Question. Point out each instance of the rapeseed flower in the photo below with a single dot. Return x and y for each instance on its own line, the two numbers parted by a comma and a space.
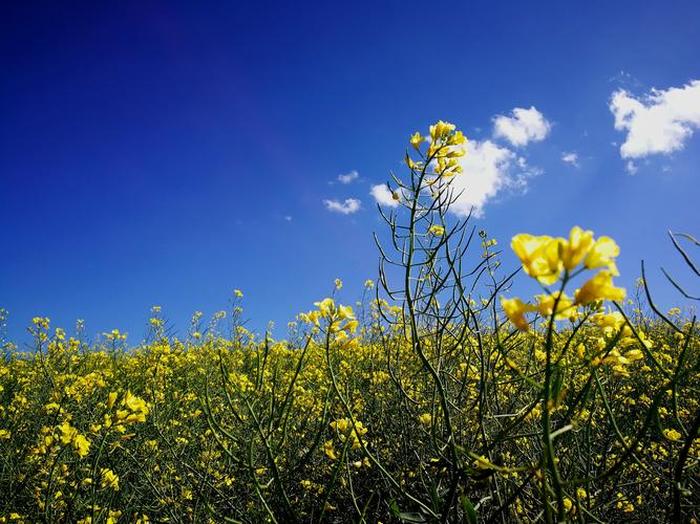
436, 230
545, 305
416, 140
602, 254
577, 247
515, 310
109, 479
600, 287
539, 256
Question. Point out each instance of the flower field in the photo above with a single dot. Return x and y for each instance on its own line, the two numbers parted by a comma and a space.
437, 397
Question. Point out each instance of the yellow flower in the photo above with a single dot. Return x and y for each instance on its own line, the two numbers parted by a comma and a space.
326, 307
369, 283
416, 140
41, 322
338, 283
515, 310
109, 479
306, 484
67, 432
545, 305
602, 254
634, 355
425, 419
539, 256
436, 230
113, 517
609, 322
576, 248
133, 402
111, 399
238, 293
672, 434
340, 425
138, 407
483, 463
458, 139
312, 317
329, 451
345, 312
600, 287
81, 445
115, 335
440, 129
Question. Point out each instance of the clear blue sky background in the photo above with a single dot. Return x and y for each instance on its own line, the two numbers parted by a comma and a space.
150, 151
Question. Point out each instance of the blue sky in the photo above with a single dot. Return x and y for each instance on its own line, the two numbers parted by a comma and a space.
166, 153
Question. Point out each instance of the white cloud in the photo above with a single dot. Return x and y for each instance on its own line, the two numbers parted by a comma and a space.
347, 207
659, 122
524, 126
288, 218
490, 169
570, 158
487, 170
631, 167
382, 195
348, 177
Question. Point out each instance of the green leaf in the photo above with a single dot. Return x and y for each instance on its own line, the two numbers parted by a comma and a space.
412, 517
394, 508
469, 511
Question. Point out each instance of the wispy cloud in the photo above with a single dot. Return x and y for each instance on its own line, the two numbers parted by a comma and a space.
570, 158
383, 196
522, 127
347, 207
489, 169
659, 122
485, 166
348, 177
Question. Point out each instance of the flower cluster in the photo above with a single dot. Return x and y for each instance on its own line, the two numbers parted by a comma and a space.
70, 435
555, 259
345, 429
446, 146
335, 319
133, 410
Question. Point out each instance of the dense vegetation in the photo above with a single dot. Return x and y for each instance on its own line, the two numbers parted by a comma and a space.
433, 399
